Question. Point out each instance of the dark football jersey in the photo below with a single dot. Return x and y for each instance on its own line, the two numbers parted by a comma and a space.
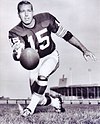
38, 37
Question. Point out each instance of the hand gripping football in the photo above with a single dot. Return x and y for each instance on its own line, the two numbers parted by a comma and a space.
29, 58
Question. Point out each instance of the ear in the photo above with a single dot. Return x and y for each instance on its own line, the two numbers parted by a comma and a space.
18, 15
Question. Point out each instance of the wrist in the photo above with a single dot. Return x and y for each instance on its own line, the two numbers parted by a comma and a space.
84, 50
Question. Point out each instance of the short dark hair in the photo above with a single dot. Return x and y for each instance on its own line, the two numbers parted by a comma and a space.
23, 2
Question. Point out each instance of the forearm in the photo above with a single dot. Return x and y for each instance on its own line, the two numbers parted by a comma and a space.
86, 53
17, 47
75, 42
68, 36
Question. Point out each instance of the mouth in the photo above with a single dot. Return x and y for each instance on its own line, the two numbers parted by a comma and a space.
26, 19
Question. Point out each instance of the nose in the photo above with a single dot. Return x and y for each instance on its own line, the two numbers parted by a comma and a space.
26, 13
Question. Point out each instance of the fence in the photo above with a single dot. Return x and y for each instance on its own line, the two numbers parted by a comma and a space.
14, 101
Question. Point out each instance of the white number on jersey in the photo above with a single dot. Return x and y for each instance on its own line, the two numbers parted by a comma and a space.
30, 40
14, 41
41, 39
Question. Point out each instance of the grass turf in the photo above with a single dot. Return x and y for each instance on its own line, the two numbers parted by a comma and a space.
75, 114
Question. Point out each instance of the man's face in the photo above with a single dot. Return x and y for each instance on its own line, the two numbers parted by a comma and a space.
26, 14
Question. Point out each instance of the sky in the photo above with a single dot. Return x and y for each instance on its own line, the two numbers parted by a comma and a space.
81, 17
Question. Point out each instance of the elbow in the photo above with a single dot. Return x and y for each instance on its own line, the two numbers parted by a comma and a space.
68, 36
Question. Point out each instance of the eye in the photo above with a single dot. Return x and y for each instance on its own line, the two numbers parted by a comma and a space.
29, 10
21, 11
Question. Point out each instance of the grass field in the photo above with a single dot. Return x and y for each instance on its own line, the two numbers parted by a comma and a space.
75, 114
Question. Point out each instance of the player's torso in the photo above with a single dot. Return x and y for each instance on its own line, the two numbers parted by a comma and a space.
38, 37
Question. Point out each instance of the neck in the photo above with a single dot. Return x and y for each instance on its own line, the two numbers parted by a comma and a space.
31, 25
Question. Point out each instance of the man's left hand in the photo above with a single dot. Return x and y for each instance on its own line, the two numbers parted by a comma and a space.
87, 54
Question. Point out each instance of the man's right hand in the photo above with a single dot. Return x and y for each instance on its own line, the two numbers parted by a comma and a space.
17, 49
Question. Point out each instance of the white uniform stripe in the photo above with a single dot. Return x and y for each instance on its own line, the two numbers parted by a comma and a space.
61, 31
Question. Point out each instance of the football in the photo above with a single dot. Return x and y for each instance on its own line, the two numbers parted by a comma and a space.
29, 58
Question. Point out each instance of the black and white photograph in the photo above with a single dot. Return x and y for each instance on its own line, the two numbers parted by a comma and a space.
50, 62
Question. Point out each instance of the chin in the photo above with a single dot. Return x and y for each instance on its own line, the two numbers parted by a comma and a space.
27, 23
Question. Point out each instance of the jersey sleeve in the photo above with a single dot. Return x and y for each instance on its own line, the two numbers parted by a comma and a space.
54, 23
15, 41
60, 30
14, 38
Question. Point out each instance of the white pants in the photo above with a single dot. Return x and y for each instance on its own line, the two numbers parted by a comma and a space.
47, 65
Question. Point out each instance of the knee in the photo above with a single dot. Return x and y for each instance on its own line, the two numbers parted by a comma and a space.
42, 78
40, 85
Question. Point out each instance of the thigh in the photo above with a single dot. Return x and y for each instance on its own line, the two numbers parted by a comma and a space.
33, 74
49, 65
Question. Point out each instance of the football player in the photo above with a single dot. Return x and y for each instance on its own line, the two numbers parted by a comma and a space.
35, 31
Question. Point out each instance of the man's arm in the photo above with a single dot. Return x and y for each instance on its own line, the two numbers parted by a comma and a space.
17, 47
68, 36
86, 53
